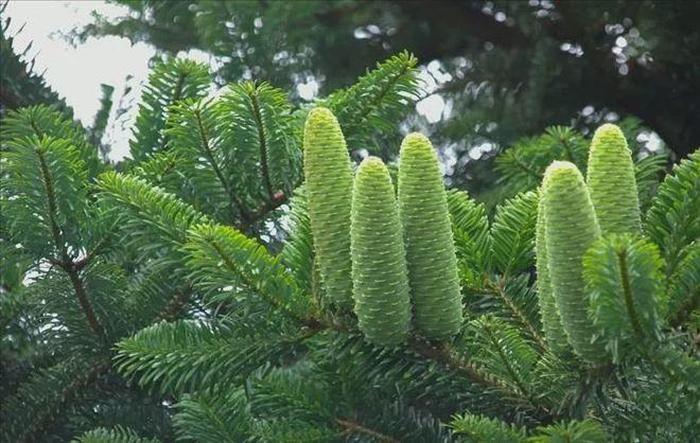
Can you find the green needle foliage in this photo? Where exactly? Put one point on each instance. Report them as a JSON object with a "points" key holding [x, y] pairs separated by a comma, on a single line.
{"points": [[551, 320], [611, 182], [116, 435], [570, 229], [379, 274], [430, 252], [328, 175], [201, 292], [626, 303]]}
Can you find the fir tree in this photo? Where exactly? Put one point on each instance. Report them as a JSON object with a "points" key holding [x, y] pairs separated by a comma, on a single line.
{"points": [[181, 294]]}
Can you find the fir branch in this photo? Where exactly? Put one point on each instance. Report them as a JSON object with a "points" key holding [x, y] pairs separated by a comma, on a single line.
{"points": [[472, 372], [351, 427], [217, 170], [66, 262], [117, 434], [85, 304], [627, 293], [495, 342], [245, 260], [498, 290], [262, 142], [377, 101], [73, 390]]}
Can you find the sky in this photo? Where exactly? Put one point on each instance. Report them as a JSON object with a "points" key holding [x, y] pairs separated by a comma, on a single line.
{"points": [[77, 72]]}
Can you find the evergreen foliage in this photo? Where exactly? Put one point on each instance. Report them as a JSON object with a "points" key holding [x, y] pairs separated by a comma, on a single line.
{"points": [[495, 61], [21, 84], [625, 307], [181, 294], [379, 273], [167, 84], [430, 255]]}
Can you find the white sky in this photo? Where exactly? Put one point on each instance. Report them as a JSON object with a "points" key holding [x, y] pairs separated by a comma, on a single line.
{"points": [[76, 73]]}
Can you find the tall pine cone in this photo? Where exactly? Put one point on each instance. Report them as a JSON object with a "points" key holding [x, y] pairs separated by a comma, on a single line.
{"points": [[570, 229], [379, 275], [430, 251], [328, 174]]}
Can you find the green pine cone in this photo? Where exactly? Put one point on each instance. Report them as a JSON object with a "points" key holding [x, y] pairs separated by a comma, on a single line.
{"points": [[612, 183], [551, 321], [379, 275], [430, 251], [328, 174], [570, 229]]}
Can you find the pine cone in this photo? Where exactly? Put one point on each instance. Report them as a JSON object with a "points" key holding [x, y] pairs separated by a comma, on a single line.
{"points": [[328, 174], [570, 229], [380, 280], [430, 251], [612, 183]]}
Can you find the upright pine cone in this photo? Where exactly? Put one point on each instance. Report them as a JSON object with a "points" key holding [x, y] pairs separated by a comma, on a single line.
{"points": [[551, 320], [612, 183], [430, 251], [570, 229], [379, 275], [328, 174]]}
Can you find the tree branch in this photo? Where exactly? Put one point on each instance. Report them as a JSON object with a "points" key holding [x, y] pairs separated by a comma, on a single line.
{"points": [[262, 143], [204, 138], [82, 381], [65, 261], [354, 427]]}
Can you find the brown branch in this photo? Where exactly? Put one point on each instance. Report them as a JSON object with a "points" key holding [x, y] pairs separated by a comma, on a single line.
{"points": [[85, 305], [66, 262], [278, 199], [498, 290], [354, 427], [67, 395], [173, 308], [463, 367], [204, 139], [90, 255]]}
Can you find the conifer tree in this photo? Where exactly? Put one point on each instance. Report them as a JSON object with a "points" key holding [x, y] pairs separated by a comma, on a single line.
{"points": [[178, 295], [379, 273], [432, 264], [611, 182]]}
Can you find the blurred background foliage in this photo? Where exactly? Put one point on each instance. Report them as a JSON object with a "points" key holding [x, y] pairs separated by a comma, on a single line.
{"points": [[495, 73]]}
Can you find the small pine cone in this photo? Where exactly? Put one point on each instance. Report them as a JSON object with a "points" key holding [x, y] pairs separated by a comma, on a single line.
{"points": [[612, 183]]}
